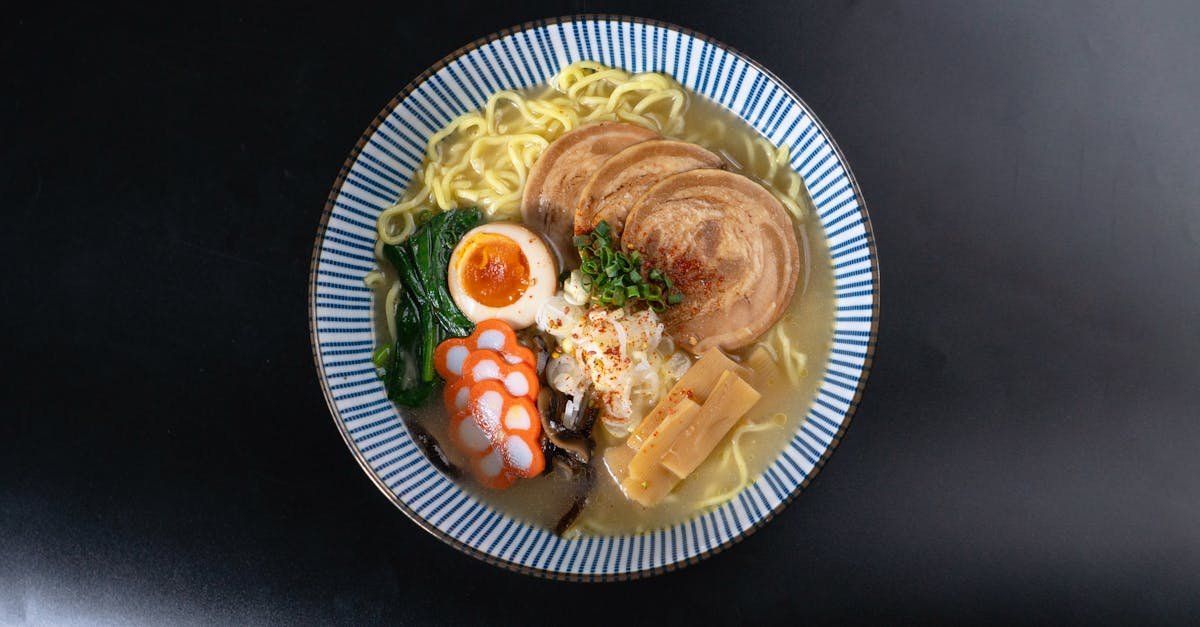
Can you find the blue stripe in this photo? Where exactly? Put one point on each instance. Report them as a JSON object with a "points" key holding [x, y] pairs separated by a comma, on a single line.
{"points": [[522, 69], [358, 212], [845, 377], [580, 38], [751, 97], [369, 410], [613, 44], [521, 543], [788, 461], [364, 405], [471, 76], [566, 548], [870, 282], [349, 343], [749, 505], [687, 58], [352, 362], [420, 482], [845, 263], [798, 149], [342, 319], [413, 108], [777, 115], [608, 556], [850, 212], [822, 425], [863, 246], [384, 171], [391, 135], [661, 37], [586, 549], [542, 543], [354, 287], [424, 103], [370, 241], [469, 517], [340, 275], [343, 330], [504, 67], [541, 60], [569, 44], [777, 485], [344, 253], [675, 36], [610, 58], [843, 203], [736, 87], [725, 521], [353, 384], [855, 294], [704, 66], [818, 183], [343, 307], [772, 97], [503, 535], [445, 92], [723, 75], [394, 424], [807, 450], [489, 523], [840, 384], [844, 229], [346, 265], [808, 173]]}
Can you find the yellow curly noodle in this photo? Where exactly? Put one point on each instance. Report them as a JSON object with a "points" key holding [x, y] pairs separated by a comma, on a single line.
{"points": [[482, 158], [778, 343], [733, 452]]}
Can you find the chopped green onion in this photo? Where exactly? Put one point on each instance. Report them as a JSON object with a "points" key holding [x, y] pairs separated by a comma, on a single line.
{"points": [[614, 278]]}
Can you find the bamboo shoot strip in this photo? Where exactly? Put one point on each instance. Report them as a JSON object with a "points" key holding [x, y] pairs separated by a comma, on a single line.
{"points": [[695, 384], [730, 400]]}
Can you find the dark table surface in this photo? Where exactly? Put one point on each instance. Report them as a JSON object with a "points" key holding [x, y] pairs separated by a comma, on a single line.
{"points": [[1028, 447]]}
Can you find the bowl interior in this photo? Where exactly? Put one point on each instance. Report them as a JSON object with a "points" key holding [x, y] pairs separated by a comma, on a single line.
{"points": [[378, 170]]}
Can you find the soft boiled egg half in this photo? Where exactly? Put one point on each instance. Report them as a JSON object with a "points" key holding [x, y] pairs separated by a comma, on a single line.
{"points": [[504, 271]]}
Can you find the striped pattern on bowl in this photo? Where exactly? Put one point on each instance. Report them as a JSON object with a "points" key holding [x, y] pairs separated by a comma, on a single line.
{"points": [[379, 168]]}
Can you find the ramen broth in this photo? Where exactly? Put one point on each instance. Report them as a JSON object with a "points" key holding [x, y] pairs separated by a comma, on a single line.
{"points": [[808, 324]]}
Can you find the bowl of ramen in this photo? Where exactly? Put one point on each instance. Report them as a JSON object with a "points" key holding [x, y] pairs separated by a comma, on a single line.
{"points": [[593, 298]]}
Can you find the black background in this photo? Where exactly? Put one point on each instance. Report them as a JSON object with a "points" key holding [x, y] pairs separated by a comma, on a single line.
{"points": [[1027, 449]]}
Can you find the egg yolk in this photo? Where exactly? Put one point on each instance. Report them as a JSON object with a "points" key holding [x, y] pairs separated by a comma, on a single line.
{"points": [[493, 269]]}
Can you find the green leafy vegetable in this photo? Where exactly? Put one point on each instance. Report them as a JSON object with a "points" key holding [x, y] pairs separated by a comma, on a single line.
{"points": [[425, 312], [614, 278]]}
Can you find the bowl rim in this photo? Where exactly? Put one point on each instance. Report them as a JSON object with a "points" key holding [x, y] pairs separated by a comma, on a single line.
{"points": [[335, 190]]}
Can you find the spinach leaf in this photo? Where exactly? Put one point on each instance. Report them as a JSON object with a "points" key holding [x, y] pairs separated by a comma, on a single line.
{"points": [[426, 313], [404, 382]]}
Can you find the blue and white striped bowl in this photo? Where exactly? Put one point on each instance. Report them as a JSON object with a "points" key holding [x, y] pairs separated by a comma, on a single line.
{"points": [[380, 166]]}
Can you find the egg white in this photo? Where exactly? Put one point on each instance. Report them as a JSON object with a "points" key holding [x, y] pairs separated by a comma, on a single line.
{"points": [[543, 277]]}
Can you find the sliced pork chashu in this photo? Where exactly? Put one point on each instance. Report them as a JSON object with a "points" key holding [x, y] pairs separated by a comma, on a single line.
{"points": [[555, 180], [728, 245], [613, 189]]}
